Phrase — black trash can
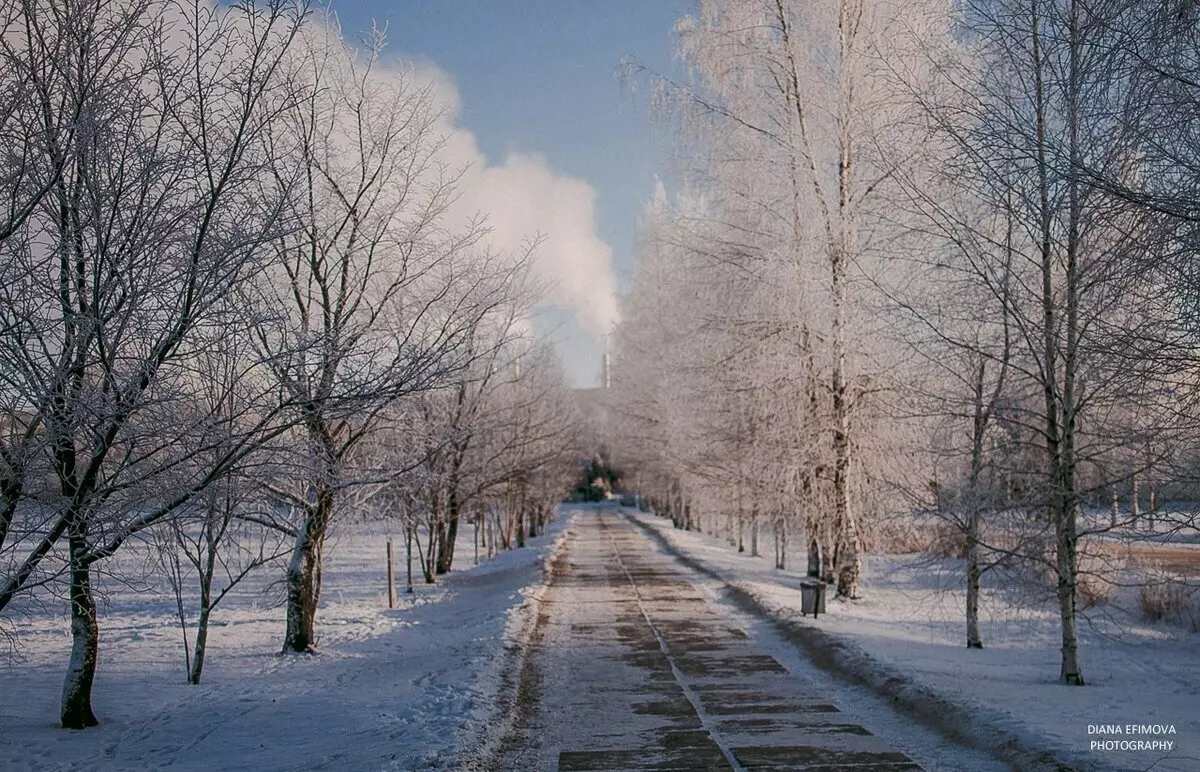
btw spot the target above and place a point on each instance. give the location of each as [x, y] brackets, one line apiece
[812, 597]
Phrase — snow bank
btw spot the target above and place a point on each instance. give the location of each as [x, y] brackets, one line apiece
[906, 640]
[405, 689]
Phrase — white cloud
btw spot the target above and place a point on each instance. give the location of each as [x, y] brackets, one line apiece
[521, 199]
[525, 198]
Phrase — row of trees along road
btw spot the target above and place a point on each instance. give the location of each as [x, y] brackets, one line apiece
[235, 308]
[920, 260]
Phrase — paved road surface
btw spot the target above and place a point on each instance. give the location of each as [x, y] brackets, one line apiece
[635, 667]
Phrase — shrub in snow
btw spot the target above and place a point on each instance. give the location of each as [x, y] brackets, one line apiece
[1166, 597]
[904, 535]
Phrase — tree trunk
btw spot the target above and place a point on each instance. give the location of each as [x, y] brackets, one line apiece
[303, 592]
[782, 544]
[506, 532]
[206, 580]
[974, 639]
[437, 541]
[1067, 594]
[85, 642]
[201, 643]
[408, 540]
[426, 567]
[437, 535]
[11, 487]
[1068, 538]
[1059, 414]
[206, 577]
[429, 557]
[303, 577]
[978, 434]
[848, 564]
[448, 533]
[841, 237]
[391, 576]
[841, 252]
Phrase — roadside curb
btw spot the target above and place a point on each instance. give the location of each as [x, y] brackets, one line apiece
[850, 664]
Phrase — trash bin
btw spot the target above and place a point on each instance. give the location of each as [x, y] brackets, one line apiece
[812, 597]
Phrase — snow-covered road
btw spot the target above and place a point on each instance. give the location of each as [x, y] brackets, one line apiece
[636, 664]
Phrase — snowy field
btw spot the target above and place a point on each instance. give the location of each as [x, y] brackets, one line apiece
[910, 626]
[404, 689]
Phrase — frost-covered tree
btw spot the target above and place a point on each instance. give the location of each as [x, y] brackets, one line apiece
[153, 213]
[1039, 257]
[791, 123]
[370, 296]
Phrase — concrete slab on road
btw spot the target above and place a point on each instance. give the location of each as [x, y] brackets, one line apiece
[634, 667]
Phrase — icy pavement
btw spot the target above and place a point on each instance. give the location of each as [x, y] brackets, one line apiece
[635, 665]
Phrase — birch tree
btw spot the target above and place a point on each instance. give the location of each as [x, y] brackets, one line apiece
[1038, 133]
[797, 117]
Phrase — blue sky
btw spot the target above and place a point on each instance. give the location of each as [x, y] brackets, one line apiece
[540, 77]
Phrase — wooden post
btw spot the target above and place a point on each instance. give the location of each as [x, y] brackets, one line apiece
[391, 577]
[783, 544]
[1135, 512]
[408, 551]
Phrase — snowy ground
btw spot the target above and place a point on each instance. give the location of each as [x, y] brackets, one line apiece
[403, 689]
[910, 629]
